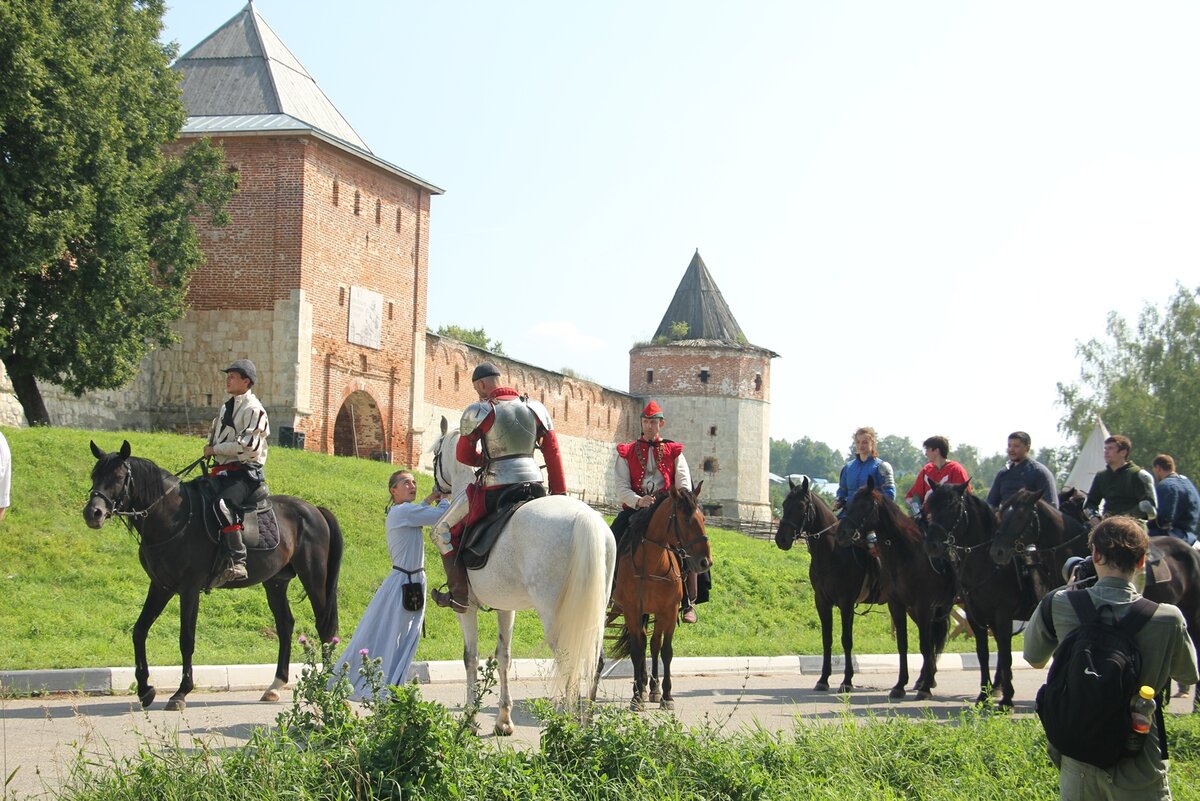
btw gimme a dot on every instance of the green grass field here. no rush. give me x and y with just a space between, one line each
69 595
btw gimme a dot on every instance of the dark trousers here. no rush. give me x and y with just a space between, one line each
234 488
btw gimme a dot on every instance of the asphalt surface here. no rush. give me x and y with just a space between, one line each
43 737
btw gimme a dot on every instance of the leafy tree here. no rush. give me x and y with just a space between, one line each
1144 381
814 459
472 336
780 450
905 457
98 243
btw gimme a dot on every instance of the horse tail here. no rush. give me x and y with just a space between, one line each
578 634
623 646
940 631
327 626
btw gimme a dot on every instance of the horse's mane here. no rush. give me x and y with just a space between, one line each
639 521
890 513
143 473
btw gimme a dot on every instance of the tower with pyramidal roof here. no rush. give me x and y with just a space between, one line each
714 387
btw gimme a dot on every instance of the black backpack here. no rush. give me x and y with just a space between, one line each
1097 669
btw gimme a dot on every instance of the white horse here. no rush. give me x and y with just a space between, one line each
557 556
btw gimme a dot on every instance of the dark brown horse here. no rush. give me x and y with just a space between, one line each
656 550
1034 534
915 583
961 528
838 575
179 555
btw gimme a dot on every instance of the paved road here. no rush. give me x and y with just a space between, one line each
43 735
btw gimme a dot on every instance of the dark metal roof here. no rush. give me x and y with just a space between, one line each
699 303
243 69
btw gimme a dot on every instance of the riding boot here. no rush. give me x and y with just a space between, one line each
237 550
691 584
456 582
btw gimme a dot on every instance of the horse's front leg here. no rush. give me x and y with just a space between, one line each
656 638
900 624
156 600
285 624
189 608
468 621
637 655
825 615
846 610
1004 675
667 638
979 631
504 630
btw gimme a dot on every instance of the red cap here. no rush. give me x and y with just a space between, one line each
652 410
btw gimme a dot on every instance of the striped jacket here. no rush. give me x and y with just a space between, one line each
240 430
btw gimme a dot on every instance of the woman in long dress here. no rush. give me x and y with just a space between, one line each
388 630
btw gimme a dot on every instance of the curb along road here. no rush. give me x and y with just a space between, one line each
118 680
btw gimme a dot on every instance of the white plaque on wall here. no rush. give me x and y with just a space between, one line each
366 318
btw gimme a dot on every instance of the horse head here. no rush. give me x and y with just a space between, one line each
861 517
1020 525
111 483
797 510
1071 502
678 524
449 474
947 505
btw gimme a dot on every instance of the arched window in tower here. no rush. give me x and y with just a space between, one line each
378 211
758 382
712 431
704 376
357 203
710 464
649 376
335 192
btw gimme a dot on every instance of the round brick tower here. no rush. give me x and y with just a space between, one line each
715 390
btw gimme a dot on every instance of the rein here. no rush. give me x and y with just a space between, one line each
679 550
129 516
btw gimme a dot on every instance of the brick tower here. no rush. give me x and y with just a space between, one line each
714 387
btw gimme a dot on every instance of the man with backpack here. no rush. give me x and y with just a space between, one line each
1107 641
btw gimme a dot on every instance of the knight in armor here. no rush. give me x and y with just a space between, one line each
1122 487
646 468
237 441
498 435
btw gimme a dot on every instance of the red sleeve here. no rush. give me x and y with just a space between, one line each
958 475
554 468
919 487
467 450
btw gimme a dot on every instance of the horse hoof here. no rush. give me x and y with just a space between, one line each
1005 705
924 695
270 695
503 730
896 693
667 704
636 705
846 688
655 696
147 698
176 705
821 686
983 699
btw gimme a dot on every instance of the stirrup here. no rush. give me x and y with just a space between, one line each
446 600
236 572
688 615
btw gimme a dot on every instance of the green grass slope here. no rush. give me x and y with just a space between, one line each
69 595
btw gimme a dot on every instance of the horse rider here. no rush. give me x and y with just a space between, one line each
646 468
498 435
866 464
938 470
1122 486
237 441
1178 501
1022 472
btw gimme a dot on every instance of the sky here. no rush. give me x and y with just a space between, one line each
921 207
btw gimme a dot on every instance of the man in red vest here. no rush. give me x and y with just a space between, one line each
647 467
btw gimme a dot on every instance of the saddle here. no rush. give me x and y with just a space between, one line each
1158 571
260 528
480 538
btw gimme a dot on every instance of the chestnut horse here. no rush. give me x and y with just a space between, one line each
838 575
915 583
661 542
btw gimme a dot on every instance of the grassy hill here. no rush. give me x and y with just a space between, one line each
69 595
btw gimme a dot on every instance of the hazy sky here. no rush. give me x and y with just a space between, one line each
920 206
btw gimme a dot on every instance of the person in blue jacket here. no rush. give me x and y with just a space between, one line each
865 464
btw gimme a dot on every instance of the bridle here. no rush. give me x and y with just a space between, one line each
438 474
1033 547
679 548
800 530
124 497
953 549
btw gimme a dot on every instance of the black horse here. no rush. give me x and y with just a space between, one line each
961 528
839 576
180 556
914 582
1038 538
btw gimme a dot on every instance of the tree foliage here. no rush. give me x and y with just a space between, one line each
96 217
804 456
472 336
1143 380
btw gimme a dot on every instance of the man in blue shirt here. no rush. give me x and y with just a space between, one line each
1022 472
1178 502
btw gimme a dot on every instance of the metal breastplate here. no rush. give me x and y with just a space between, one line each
509 445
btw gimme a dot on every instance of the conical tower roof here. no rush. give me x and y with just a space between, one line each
243 70
699 303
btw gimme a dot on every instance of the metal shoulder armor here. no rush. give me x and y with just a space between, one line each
473 416
541 412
